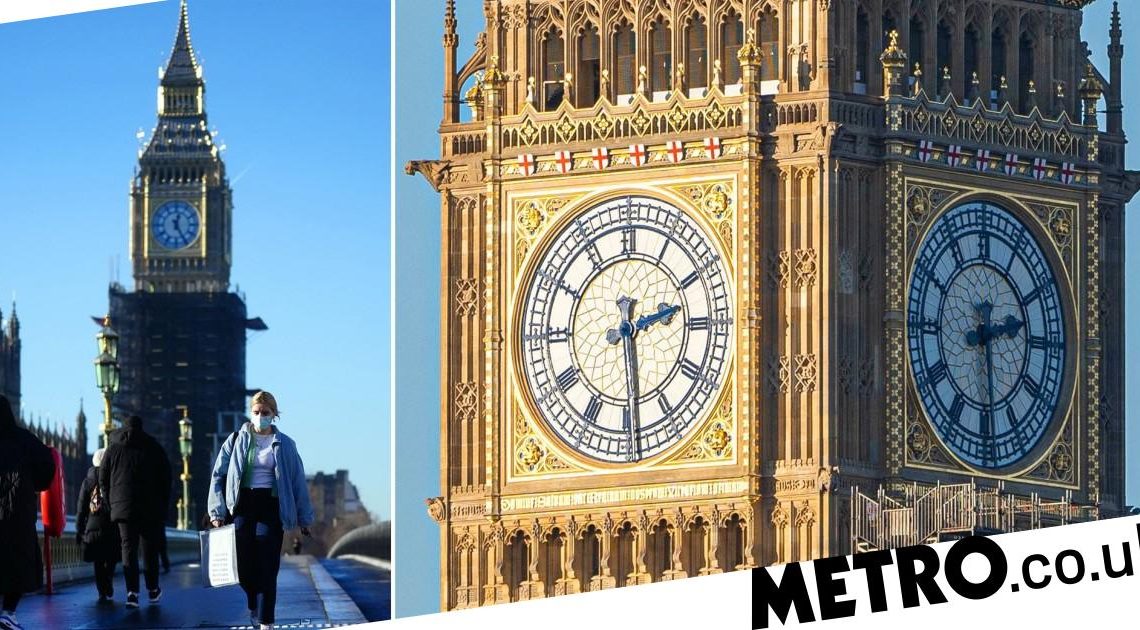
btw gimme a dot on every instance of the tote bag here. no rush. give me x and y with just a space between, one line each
219 556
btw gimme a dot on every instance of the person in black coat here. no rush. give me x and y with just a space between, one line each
97 536
26 469
135 479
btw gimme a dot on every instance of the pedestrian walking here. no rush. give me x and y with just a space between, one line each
259 480
135 479
26 469
96 534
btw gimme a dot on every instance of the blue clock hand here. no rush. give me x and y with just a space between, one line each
664 315
625 333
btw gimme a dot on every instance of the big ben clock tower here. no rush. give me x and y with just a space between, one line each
741 282
182 329
181 207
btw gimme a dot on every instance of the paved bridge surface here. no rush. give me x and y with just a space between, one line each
310 594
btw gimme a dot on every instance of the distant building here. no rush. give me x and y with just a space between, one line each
337 509
72 446
182 330
10 360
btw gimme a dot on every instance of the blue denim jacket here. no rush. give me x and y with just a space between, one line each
292 489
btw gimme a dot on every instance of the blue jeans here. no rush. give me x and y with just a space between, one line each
259 533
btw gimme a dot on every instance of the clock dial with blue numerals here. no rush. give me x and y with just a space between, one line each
986 335
175 224
626 329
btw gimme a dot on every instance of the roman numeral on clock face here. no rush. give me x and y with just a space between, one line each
690 369
558 335
935 374
689 280
699 323
593 408
957 407
567 378
628 240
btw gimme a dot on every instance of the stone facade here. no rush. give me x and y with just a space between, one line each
795 133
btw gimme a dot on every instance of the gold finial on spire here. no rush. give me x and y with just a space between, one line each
894 35
894 62
749 53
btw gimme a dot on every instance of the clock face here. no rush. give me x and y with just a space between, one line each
626 329
986 335
175 224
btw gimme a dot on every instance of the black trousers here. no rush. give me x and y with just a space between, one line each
11 600
104 572
132 534
258 532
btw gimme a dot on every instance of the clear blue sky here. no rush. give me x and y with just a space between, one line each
418 110
298 91
419 72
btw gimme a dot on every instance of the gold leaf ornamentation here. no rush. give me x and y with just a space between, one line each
567 131
602 125
528 132
678 118
531 217
640 122
715 115
716 202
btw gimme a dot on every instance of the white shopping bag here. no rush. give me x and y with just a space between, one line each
219 556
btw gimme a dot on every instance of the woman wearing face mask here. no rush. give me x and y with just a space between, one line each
259 482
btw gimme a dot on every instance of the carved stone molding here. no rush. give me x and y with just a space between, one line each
806 373
466 402
806 268
779 374
466 296
437 509
779 269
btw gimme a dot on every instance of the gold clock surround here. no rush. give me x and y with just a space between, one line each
709 211
1044 217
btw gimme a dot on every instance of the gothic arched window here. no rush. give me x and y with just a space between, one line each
660 548
625 60
731 39
660 57
998 69
769 46
1025 67
945 48
696 54
515 566
862 49
973 58
918 43
591 556
588 80
553 70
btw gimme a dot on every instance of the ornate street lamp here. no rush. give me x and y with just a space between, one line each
186 447
107 373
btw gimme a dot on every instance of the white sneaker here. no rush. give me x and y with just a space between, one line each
266 626
8 621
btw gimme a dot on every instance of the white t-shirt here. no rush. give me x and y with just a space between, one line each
264 462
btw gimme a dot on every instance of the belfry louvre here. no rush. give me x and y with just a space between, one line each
729 283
